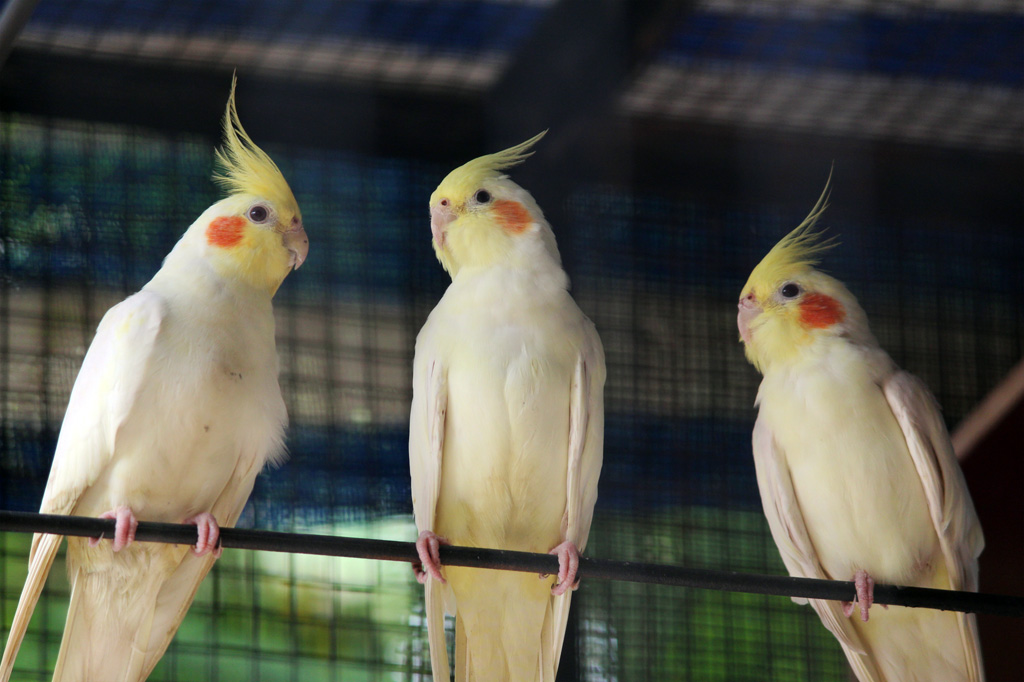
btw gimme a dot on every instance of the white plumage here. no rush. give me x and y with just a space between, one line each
506 426
857 475
175 411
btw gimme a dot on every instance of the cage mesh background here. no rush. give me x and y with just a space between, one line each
88 210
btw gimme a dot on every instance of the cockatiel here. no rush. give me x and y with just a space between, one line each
506 428
175 411
857 474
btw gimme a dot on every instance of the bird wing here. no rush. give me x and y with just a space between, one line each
426 438
426 447
112 372
786 522
586 438
586 448
949 502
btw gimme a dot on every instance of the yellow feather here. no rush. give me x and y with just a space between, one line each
796 252
246 169
467 178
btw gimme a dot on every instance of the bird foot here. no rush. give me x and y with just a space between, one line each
124 528
209 535
568 565
865 585
428 546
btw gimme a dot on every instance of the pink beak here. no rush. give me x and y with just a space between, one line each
748 310
297 243
441 214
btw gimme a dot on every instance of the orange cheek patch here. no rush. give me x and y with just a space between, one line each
225 232
819 311
511 215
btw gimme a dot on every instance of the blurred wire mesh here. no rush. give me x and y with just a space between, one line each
89 209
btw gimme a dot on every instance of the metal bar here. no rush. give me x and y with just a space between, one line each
600 569
13 18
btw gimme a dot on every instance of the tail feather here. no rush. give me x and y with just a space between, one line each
505 626
101 641
172 604
863 665
461 650
44 549
435 631
919 645
113 618
972 646
849 639
554 627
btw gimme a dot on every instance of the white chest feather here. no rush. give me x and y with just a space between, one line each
209 410
509 371
858 491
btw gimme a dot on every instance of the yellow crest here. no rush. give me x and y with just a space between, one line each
246 169
468 177
796 251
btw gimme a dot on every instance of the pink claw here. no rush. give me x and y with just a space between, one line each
124 528
568 565
209 535
865 595
428 546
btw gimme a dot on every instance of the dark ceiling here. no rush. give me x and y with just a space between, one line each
714 96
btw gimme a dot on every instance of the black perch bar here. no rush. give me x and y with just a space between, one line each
602 569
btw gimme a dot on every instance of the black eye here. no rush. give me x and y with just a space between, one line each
258 213
483 196
790 290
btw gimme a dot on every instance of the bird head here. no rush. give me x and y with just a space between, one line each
479 217
255 234
787 306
